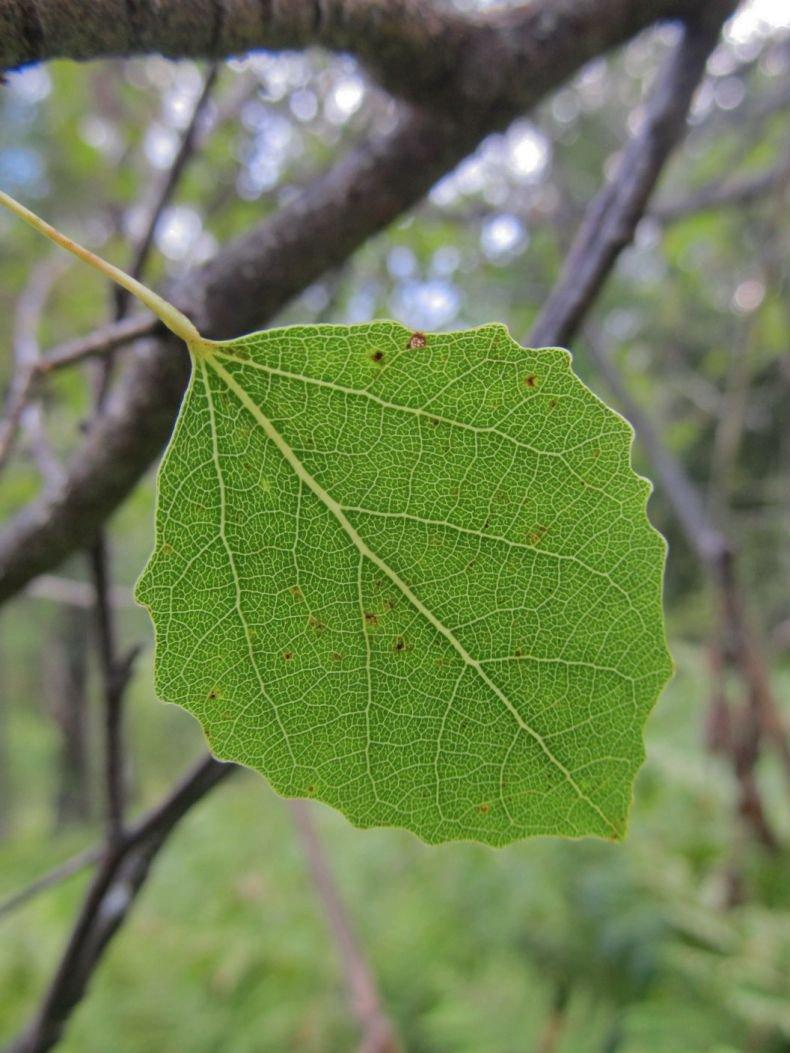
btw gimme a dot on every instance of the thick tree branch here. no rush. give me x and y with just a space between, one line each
423 51
251 279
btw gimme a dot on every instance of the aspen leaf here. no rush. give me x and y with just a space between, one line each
411 577
407 574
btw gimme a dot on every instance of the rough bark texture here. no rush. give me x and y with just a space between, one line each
420 50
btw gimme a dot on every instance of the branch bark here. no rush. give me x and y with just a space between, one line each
419 50
110 897
247 283
611 219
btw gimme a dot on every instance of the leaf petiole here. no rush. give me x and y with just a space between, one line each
169 315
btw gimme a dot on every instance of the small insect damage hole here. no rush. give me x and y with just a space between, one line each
214 693
399 645
377 356
416 340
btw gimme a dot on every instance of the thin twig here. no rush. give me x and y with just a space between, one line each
100 342
191 141
378 1035
77 863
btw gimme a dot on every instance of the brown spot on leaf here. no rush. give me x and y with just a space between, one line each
552 403
519 653
296 591
213 693
371 619
417 340
310 790
530 380
399 644
316 624
484 808
377 356
167 549
288 655
336 656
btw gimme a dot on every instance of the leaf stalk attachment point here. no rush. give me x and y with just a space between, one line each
169 315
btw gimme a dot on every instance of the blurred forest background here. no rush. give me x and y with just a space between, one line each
678 939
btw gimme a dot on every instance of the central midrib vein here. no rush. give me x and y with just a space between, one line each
364 549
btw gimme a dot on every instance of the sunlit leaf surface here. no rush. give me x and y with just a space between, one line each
411 576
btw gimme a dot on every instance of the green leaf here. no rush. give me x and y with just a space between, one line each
411 576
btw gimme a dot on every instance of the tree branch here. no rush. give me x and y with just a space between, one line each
253 277
611 219
77 863
113 891
724 194
420 50
378 1035
608 226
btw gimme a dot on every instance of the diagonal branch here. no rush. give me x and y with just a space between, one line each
377 1032
252 278
608 226
110 897
612 217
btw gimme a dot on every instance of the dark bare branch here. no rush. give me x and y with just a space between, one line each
611 220
110 897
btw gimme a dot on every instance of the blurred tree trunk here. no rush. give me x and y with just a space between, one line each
67 688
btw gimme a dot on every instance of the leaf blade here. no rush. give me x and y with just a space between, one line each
393 448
